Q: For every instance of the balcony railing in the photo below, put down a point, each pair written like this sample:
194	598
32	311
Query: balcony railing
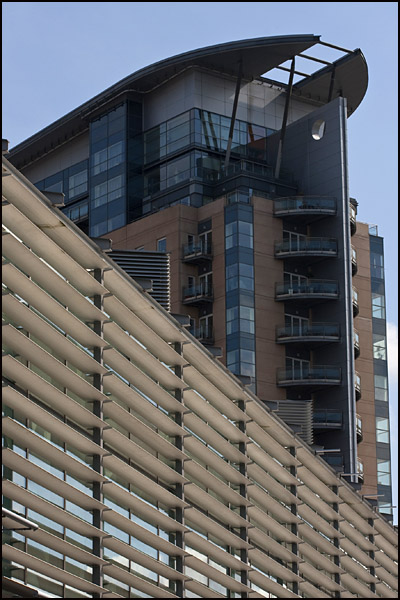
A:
356	308
308	332
360	469
327	419
354	266
198	293
313	288
304	205
353	221
356	343
309	376
306	247
357	385
196	251
359	428
203	334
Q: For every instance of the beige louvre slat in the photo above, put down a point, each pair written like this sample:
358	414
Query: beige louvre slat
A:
317	503
359	522
130	322
50	365
132	475
209	435
210	414
15	492
199	519
195	494
265	542
386	562
316	521
192	468
221	556
50	308
63	348
316	485
266	563
131	553
140	356
35	564
205	569
45	277
144	407
319	467
29	409
356	586
201	590
356	552
27	379
310	555
312	592
145	433
355	536
317	540
276	489
387	578
47	480
27	439
313	574
271	424
384	591
270	524
195	447
136	377
141	457
140	533
46	248
382	543
268	503
271	466
198	382
269	585
141	508
386	530
271	446
57	544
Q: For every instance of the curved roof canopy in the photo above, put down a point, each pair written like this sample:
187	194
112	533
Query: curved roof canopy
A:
257	56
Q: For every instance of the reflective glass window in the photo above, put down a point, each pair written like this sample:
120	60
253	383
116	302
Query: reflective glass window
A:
383	469
379	346
382	430
381	388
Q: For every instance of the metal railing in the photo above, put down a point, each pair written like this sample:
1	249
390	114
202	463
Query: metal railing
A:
320	330
314	286
306	245
196	291
306	204
308	374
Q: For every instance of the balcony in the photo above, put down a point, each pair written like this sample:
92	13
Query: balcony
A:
301	208
196	253
308	333
310	377
198	294
306	247
356	308
357	385
205	335
360	470
327	420
312	289
353	221
356	344
359	429
354	266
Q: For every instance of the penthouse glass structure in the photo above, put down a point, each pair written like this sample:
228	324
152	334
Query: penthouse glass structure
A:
135	465
243	179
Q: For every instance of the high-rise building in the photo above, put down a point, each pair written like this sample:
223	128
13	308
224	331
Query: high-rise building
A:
243	180
135	465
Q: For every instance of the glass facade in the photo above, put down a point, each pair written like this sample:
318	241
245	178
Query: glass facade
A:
239	282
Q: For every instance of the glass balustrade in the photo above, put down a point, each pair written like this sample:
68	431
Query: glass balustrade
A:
312	287
309	375
301	205
306	246
305	331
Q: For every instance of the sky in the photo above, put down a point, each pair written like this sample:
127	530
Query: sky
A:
58	55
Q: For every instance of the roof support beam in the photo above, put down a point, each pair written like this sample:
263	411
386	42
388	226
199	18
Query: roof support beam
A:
284	121
233	117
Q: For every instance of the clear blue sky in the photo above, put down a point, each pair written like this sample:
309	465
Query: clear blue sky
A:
57	55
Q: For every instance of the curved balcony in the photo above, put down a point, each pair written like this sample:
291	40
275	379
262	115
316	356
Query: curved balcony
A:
196	253
198	294
360	469
356	344
326	420
306	247
308	333
354	266
310	377
357	385
353	221
303	207
356	308
359	429
311	290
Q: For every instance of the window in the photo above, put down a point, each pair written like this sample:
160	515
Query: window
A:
377	265
381	388
382	430
162	245
78	183
378	305
379	346
383	468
